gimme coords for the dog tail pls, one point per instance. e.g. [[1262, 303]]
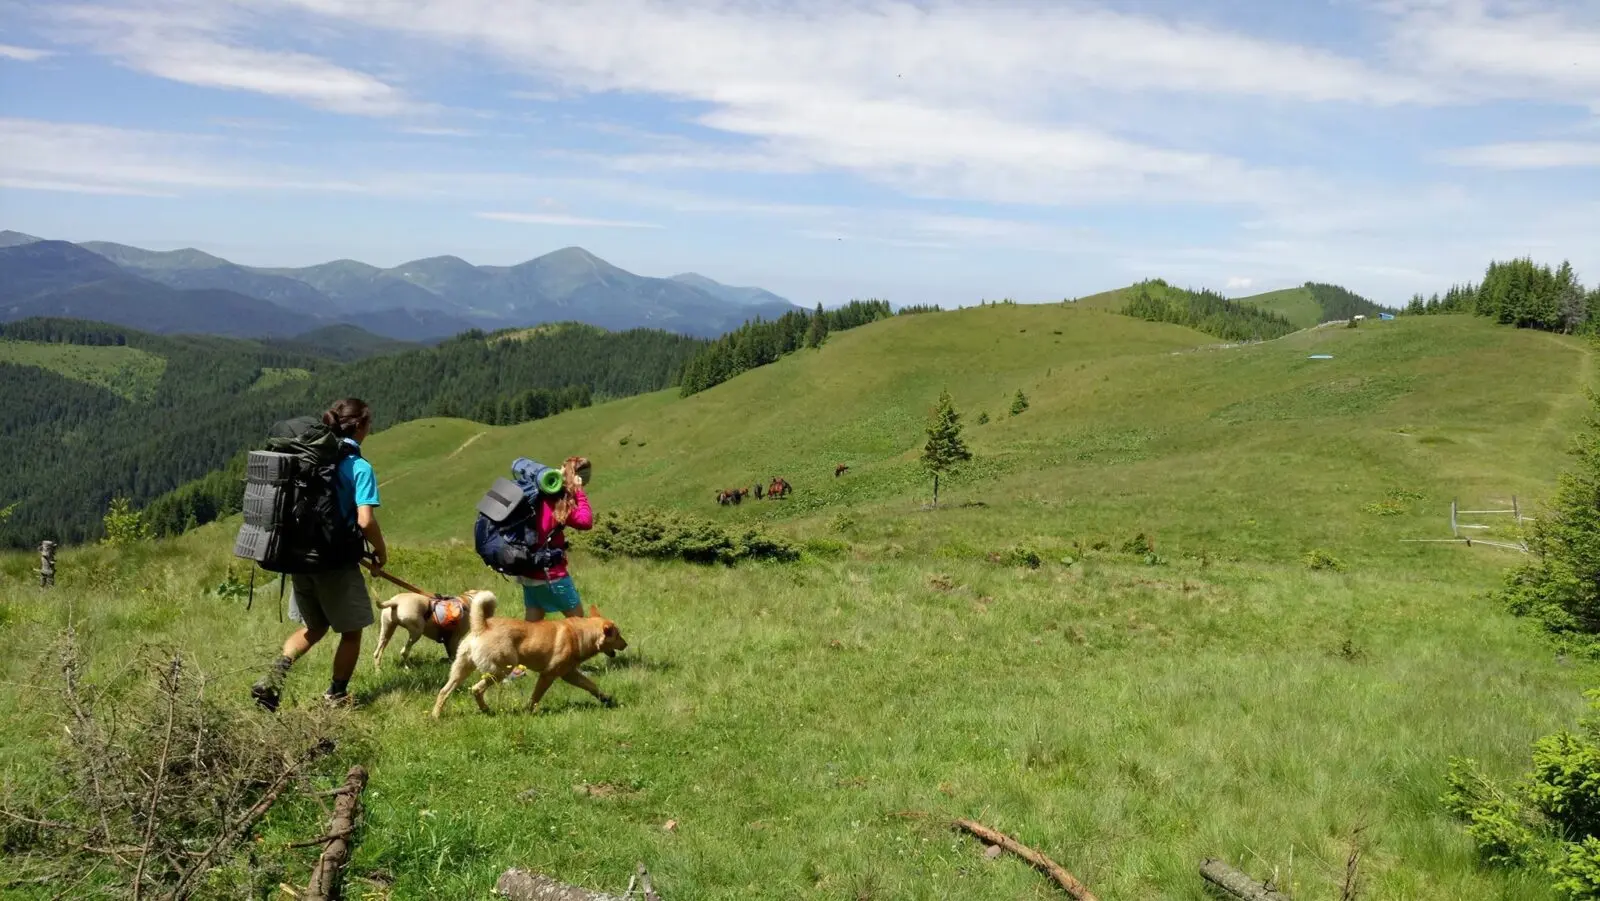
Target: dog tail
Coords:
[[480, 607], [390, 604]]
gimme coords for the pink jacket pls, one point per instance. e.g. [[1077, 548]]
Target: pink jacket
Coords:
[[582, 519]]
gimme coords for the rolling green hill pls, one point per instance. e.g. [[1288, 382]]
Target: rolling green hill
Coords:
[[1119, 408], [127, 372], [1297, 305], [1304, 306], [810, 728]]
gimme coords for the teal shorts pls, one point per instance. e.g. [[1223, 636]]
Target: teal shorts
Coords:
[[558, 596]]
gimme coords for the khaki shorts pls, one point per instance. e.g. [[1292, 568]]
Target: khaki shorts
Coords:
[[336, 600]]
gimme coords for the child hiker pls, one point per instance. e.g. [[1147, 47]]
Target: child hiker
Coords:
[[336, 598], [553, 591]]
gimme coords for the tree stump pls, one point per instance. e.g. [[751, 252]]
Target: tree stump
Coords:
[[47, 564]]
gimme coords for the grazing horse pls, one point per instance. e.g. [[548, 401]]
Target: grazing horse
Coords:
[[760, 491], [778, 488], [840, 470], [732, 496]]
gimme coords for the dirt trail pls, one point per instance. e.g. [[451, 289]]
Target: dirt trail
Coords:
[[453, 454]]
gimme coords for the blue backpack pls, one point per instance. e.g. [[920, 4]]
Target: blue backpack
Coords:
[[506, 534]]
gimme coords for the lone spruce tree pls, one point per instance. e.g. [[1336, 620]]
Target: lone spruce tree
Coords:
[[945, 450], [1019, 404], [1560, 584], [818, 330]]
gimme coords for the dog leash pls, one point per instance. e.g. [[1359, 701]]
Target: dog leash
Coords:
[[402, 583]]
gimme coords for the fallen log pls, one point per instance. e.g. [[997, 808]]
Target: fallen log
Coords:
[[1236, 883], [521, 885], [1050, 868], [327, 879]]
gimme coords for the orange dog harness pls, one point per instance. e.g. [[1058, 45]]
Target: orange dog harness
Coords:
[[446, 613]]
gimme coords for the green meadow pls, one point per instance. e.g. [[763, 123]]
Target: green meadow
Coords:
[[811, 728], [125, 371]]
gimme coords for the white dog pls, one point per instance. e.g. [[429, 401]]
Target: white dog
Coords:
[[441, 619]]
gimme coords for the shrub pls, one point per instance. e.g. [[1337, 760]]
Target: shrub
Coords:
[[1138, 546], [1018, 556], [983, 419], [124, 525], [842, 522], [657, 535], [232, 588], [1577, 872], [1549, 819], [1319, 560], [1560, 583]]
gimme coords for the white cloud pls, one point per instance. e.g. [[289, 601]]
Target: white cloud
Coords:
[[961, 100], [563, 220], [1239, 283], [64, 156], [1528, 155], [60, 186], [23, 54], [187, 42], [1496, 48]]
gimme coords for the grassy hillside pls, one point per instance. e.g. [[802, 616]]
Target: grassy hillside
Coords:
[[127, 372], [1297, 305], [810, 727], [1258, 450]]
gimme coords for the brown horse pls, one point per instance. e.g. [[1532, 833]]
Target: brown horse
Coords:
[[778, 488], [840, 470]]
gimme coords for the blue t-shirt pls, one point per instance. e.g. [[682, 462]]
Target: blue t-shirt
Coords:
[[358, 485]]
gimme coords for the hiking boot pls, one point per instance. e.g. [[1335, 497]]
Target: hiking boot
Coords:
[[338, 699], [265, 695]]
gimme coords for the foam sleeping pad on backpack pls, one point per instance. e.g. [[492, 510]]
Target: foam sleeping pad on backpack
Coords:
[[533, 474]]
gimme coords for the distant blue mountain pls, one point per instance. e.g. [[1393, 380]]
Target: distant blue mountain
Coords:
[[414, 300]]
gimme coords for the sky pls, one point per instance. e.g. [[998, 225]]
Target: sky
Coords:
[[923, 152]]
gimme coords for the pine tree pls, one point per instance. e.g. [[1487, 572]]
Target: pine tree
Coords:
[[1560, 584], [1019, 403], [818, 330], [945, 450]]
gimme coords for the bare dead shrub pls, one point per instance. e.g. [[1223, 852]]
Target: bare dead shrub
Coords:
[[156, 786]]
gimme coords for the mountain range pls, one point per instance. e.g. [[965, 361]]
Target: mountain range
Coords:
[[192, 291]]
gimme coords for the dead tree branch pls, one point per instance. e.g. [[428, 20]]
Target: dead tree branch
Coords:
[[522, 885], [1055, 871], [327, 879], [1236, 883]]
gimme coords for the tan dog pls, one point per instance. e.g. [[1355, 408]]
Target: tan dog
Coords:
[[413, 612], [551, 648]]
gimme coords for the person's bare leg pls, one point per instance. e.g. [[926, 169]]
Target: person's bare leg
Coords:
[[302, 641], [346, 656], [533, 614]]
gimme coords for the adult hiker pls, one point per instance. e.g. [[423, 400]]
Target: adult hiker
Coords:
[[329, 592], [552, 590]]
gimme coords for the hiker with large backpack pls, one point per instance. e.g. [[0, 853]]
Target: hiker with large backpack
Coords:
[[521, 532], [311, 513]]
